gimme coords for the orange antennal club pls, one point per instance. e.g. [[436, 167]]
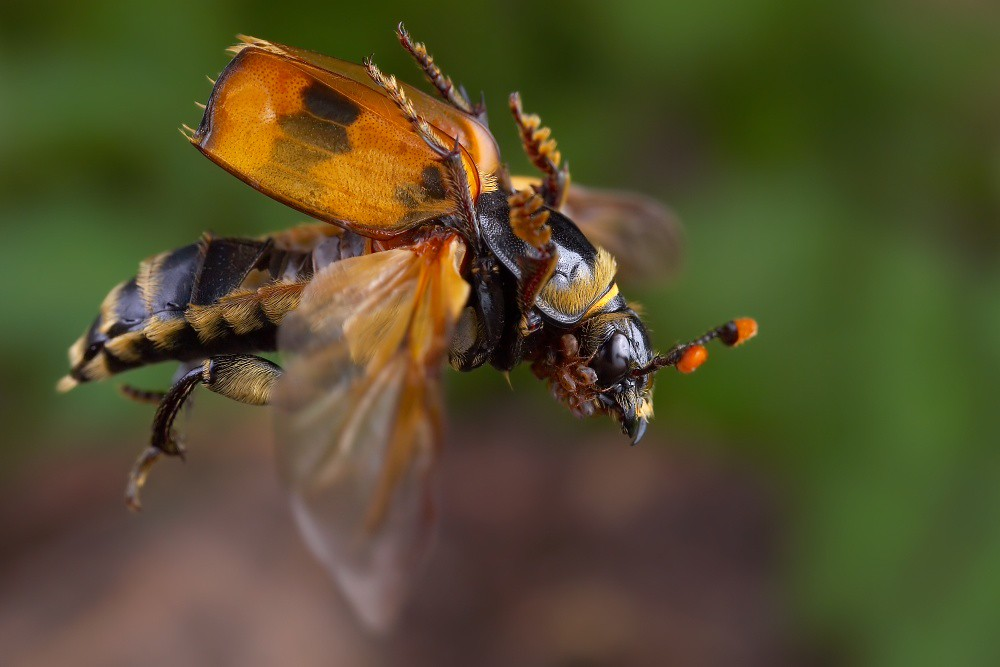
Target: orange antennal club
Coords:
[[692, 358], [687, 357]]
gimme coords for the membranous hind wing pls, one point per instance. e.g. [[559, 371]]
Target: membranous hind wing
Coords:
[[640, 232], [360, 416], [311, 132]]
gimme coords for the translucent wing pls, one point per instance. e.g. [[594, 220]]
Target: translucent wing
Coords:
[[360, 413], [642, 234], [326, 144]]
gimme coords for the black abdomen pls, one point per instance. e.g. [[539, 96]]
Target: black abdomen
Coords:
[[217, 296]]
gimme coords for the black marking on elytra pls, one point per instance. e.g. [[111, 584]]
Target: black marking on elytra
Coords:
[[412, 217], [405, 197], [316, 133], [433, 183], [329, 104]]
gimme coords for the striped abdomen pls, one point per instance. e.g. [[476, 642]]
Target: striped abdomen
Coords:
[[217, 296]]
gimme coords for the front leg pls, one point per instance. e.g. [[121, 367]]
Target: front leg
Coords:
[[541, 150], [242, 377], [529, 220]]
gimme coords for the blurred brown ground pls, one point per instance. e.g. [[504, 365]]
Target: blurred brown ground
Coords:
[[558, 553]]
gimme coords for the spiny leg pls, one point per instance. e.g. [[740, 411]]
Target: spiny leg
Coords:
[[242, 377], [543, 153], [144, 396], [529, 222], [456, 96], [687, 357], [162, 439], [451, 155], [155, 396]]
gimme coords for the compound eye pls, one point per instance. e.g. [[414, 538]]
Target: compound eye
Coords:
[[611, 362]]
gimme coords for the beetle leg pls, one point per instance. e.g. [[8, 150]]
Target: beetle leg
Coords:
[[459, 183], [456, 96], [241, 377], [451, 155], [166, 412], [153, 396], [541, 149], [529, 222], [145, 396]]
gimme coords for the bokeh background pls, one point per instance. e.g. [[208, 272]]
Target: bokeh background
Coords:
[[829, 494]]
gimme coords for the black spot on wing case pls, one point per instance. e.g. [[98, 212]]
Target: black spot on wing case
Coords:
[[328, 104], [324, 123], [324, 139]]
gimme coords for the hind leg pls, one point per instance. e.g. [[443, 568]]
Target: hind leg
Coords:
[[242, 377]]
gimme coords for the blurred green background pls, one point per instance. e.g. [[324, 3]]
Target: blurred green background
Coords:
[[837, 170]]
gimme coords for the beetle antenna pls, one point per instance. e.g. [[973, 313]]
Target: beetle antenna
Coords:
[[687, 357]]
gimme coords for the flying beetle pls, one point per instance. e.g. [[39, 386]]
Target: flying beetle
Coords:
[[428, 251]]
